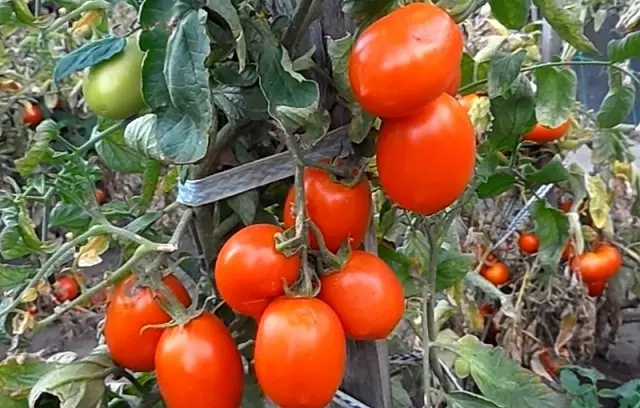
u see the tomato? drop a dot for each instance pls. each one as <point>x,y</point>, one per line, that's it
<point>453,82</point>
<point>596,288</point>
<point>31,114</point>
<point>498,273</point>
<point>405,60</point>
<point>565,205</point>
<point>364,284</point>
<point>529,243</point>
<point>611,258</point>
<point>300,352</point>
<point>199,366</point>
<point>66,288</point>
<point>542,134</point>
<point>568,252</point>
<point>425,161</point>
<point>113,88</point>
<point>599,265</point>
<point>100,197</point>
<point>131,308</point>
<point>548,362</point>
<point>250,272</point>
<point>339,212</point>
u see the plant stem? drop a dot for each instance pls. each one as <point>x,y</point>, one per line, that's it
<point>95,139</point>
<point>299,155</point>
<point>301,18</point>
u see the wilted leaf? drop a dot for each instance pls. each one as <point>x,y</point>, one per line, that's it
<point>89,253</point>
<point>568,323</point>
<point>555,95</point>
<point>461,367</point>
<point>12,276</point>
<point>88,55</point>
<point>624,48</point>
<point>552,227</point>
<point>568,28</point>
<point>598,201</point>
<point>538,367</point>
<point>18,374</point>
<point>86,22</point>
<point>339,51</point>
<point>503,71</point>
<point>496,184</point>
<point>38,149</point>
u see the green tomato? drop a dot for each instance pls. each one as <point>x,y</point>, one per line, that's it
<point>113,88</point>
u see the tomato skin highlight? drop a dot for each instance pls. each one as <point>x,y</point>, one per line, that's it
<point>199,366</point>
<point>498,273</point>
<point>542,134</point>
<point>426,161</point>
<point>366,295</point>
<point>250,272</point>
<point>31,114</point>
<point>339,212</point>
<point>300,353</point>
<point>132,307</point>
<point>405,60</point>
<point>529,243</point>
<point>66,288</point>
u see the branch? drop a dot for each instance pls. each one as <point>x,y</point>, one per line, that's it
<point>301,19</point>
<point>95,139</point>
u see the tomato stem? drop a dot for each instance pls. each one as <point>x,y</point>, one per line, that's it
<point>334,261</point>
<point>95,139</point>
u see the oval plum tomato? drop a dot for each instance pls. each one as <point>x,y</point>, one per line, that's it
<point>415,48</point>
<point>300,352</point>
<point>250,272</point>
<point>611,258</point>
<point>100,197</point>
<point>596,288</point>
<point>599,265</point>
<point>199,366</point>
<point>568,252</point>
<point>340,212</point>
<point>467,101</point>
<point>113,88</point>
<point>130,309</point>
<point>453,82</point>
<point>31,114</point>
<point>542,134</point>
<point>425,161</point>
<point>498,273</point>
<point>66,288</point>
<point>528,243</point>
<point>366,295</point>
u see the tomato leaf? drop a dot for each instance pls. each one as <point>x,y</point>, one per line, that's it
<point>226,10</point>
<point>618,103</point>
<point>552,227</point>
<point>70,217</point>
<point>465,399</point>
<point>624,48</point>
<point>12,276</point>
<point>611,144</point>
<point>88,55</point>
<point>18,374</point>
<point>459,10</point>
<point>568,28</point>
<point>555,95</point>
<point>514,115</point>
<point>552,172</point>
<point>238,95</point>
<point>502,380</point>
<point>115,152</point>
<point>38,150</point>
<point>338,51</point>
<point>503,71</point>
<point>496,184</point>
<point>511,13</point>
<point>402,265</point>
<point>143,222</point>
<point>366,12</point>
<point>472,71</point>
<point>140,135</point>
<point>598,200</point>
<point>452,267</point>
<point>245,205</point>
<point>399,395</point>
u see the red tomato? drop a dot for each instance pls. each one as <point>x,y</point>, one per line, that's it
<point>568,252</point>
<point>364,283</point>
<point>542,134</point>
<point>425,161</point>
<point>31,114</point>
<point>66,288</point>
<point>453,82</point>
<point>549,362</point>
<point>405,60</point>
<point>498,273</point>
<point>599,265</point>
<point>250,272</point>
<point>611,258</point>
<point>468,101</point>
<point>100,196</point>
<point>529,243</point>
<point>339,212</point>
<point>300,353</point>
<point>198,365</point>
<point>596,288</point>
<point>565,205</point>
<point>131,308</point>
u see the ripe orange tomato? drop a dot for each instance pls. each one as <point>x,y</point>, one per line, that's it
<point>364,283</point>
<point>498,273</point>
<point>599,265</point>
<point>198,365</point>
<point>529,243</point>
<point>568,252</point>
<point>300,352</point>
<point>132,307</point>
<point>542,134</point>
<point>611,258</point>
<point>425,161</point>
<point>250,272</point>
<point>31,114</point>
<point>405,60</point>
<point>66,288</point>
<point>340,212</point>
<point>596,288</point>
<point>100,196</point>
<point>453,82</point>
<point>467,101</point>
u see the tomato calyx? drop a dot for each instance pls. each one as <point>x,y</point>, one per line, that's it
<point>331,261</point>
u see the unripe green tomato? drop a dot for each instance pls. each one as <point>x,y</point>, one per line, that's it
<point>113,88</point>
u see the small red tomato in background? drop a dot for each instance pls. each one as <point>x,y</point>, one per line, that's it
<point>100,196</point>
<point>565,204</point>
<point>498,273</point>
<point>529,243</point>
<point>66,288</point>
<point>568,252</point>
<point>31,114</point>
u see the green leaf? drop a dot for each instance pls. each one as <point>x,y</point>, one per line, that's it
<point>140,135</point>
<point>245,205</point>
<point>576,182</point>
<point>496,184</point>
<point>465,399</point>
<point>69,216</point>
<point>238,95</point>
<point>38,149</point>
<point>555,95</point>
<point>339,51</point>
<point>568,28</point>
<point>452,267</point>
<point>88,55</point>
<point>399,395</point>
<point>18,374</point>
<point>553,172</point>
<point>360,125</point>
<point>514,115</point>
<point>115,152</point>
<point>150,179</point>
<point>624,48</point>
<point>143,222</point>
<point>552,227</point>
<point>12,276</point>
<point>459,10</point>
<point>511,13</point>
<point>402,266</point>
<point>12,246</point>
<point>472,71</point>
<point>569,381</point>
<point>502,380</point>
<point>366,12</point>
<point>8,402</point>
<point>616,105</point>
<point>228,12</point>
<point>611,144</point>
<point>503,71</point>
